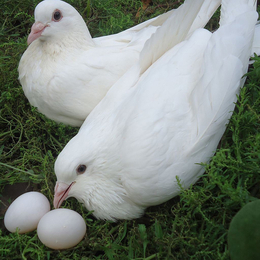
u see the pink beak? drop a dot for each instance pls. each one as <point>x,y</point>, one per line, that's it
<point>61,192</point>
<point>36,31</point>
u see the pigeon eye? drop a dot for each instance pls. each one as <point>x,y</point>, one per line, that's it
<point>57,15</point>
<point>81,169</point>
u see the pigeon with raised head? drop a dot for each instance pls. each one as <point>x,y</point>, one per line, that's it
<point>65,72</point>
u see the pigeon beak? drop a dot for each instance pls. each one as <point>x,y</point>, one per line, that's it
<point>61,192</point>
<point>36,31</point>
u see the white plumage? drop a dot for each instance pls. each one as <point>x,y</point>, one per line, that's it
<point>160,120</point>
<point>65,72</point>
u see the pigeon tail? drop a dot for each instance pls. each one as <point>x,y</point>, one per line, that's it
<point>227,53</point>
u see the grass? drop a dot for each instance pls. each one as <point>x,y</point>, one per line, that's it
<point>193,225</point>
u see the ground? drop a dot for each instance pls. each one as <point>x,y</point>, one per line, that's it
<point>193,225</point>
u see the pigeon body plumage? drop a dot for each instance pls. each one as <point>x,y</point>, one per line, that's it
<point>162,119</point>
<point>65,72</point>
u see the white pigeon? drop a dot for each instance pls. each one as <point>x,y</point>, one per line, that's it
<point>162,119</point>
<point>65,72</point>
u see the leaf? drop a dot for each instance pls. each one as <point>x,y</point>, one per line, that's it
<point>244,233</point>
<point>143,235</point>
<point>158,230</point>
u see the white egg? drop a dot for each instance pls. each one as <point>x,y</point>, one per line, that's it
<point>26,211</point>
<point>61,228</point>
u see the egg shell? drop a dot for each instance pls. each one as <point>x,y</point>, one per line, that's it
<point>26,211</point>
<point>61,228</point>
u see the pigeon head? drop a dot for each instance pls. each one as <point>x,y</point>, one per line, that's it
<point>57,21</point>
<point>86,171</point>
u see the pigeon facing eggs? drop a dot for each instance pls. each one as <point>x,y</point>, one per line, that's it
<point>163,118</point>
